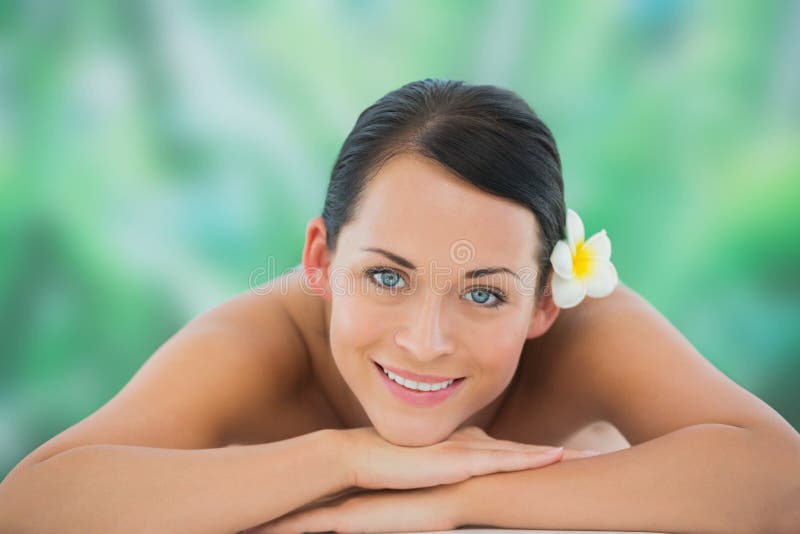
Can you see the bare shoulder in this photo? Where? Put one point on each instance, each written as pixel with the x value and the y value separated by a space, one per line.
pixel 226 376
pixel 554 376
pixel 263 352
pixel 618 359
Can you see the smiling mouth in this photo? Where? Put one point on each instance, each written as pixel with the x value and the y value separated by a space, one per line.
pixel 416 385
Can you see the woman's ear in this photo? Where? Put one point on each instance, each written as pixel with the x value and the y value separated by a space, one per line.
pixel 316 259
pixel 545 312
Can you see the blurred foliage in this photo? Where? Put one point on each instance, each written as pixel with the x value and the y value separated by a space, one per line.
pixel 153 155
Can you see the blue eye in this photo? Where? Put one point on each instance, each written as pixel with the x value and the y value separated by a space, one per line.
pixel 482 296
pixel 386 278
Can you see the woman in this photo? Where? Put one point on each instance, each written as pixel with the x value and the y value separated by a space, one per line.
pixel 429 356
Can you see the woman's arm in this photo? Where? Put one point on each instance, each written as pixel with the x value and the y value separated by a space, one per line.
pixel 707 478
pixel 703 478
pixel 154 458
pixel 120 488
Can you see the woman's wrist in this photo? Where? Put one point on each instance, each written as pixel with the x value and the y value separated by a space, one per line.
pixel 459 503
pixel 337 448
pixel 353 448
pixel 333 447
pixel 453 503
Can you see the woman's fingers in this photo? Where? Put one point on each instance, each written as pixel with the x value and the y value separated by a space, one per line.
pixel 485 461
pixel 572 454
pixel 475 437
pixel 569 454
pixel 504 444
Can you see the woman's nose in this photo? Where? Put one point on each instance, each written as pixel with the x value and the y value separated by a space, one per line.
pixel 426 335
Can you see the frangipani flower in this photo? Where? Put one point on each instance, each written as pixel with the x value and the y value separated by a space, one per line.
pixel 581 267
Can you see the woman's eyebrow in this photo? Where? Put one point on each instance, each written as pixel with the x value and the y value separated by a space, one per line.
pixel 392 256
pixel 475 273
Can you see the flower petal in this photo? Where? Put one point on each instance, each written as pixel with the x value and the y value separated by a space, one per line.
pixel 567 292
pixel 561 258
pixel 575 233
pixel 603 279
pixel 599 245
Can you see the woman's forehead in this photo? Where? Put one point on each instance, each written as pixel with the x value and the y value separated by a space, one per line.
pixel 418 206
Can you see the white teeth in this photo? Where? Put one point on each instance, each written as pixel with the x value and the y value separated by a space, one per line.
pixel 417 386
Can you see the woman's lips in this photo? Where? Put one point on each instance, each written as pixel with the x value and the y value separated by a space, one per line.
pixel 431 379
pixel 418 398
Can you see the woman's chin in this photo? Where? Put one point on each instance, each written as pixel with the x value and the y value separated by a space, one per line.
pixel 408 436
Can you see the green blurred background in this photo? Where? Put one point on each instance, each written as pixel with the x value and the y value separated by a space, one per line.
pixel 153 155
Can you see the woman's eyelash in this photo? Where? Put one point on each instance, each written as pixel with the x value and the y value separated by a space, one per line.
pixel 500 296
pixel 370 272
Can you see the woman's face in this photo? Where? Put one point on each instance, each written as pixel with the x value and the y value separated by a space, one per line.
pixel 402 297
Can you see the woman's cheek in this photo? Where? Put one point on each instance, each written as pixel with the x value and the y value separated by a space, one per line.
pixel 357 323
pixel 499 350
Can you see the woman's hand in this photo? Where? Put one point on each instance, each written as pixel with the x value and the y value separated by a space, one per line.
pixel 380 468
pixel 413 510
pixel 377 464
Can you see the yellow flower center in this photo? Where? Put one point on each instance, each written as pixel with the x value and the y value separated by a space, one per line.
pixel 581 261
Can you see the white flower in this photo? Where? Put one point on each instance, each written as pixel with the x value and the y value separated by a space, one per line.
pixel 581 267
